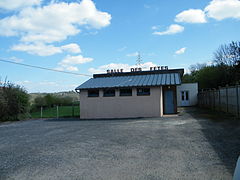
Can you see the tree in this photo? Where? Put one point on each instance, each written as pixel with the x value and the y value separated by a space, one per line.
pixel 224 71
pixel 40 102
pixel 50 100
pixel 188 78
pixel 228 54
pixel 213 76
pixel 14 102
pixel 196 67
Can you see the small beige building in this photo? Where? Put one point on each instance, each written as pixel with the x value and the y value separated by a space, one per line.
pixel 118 94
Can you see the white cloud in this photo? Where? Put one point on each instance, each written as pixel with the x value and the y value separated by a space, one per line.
pixel 23 82
pixel 71 68
pixel 75 60
pixel 64 67
pixel 216 9
pixel 154 27
pixel 222 9
pixel 172 29
pixel 180 51
pixel 17 4
pixel 73 48
pixel 42 49
pixel 53 22
pixel 125 67
pixel 69 62
pixel 38 49
pixel 191 16
pixel 48 83
pixel 132 54
pixel 46 86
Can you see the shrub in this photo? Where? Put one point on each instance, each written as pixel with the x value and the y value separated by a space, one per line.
pixel 14 102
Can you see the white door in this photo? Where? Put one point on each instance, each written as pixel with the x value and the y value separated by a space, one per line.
pixel 184 98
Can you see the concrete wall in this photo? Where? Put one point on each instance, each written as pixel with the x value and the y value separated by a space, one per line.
pixel 225 99
pixel 121 106
pixel 192 88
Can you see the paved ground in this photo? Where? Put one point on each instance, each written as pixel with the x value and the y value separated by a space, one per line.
pixel 188 146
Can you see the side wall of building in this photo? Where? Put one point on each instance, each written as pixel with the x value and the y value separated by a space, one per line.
pixel 192 89
pixel 121 106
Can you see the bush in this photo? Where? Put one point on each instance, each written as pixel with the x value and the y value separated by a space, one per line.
pixel 14 102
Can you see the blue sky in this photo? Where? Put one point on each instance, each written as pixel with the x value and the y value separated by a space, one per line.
pixel 93 36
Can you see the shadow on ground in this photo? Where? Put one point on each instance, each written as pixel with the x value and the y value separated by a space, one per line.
pixel 223 133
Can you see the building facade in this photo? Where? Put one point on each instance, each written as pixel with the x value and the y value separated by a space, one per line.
pixel 187 94
pixel 118 94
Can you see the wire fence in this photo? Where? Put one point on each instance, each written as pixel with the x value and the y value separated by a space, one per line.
pixel 225 99
pixel 56 111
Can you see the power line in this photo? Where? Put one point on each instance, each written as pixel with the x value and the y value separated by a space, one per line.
pixel 44 68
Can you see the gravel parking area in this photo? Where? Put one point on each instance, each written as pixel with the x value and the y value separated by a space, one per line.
pixel 186 146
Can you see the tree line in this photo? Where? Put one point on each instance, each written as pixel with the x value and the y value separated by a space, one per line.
pixel 224 69
pixel 50 100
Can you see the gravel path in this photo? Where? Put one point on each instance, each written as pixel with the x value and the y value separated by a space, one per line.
pixel 187 146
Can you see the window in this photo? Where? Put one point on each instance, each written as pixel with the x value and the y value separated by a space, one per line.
pixel 143 91
pixel 183 95
pixel 125 92
pixel 93 93
pixel 109 92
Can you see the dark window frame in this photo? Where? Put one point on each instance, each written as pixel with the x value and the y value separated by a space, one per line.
pixel 125 93
pixel 143 93
pixel 187 95
pixel 92 94
pixel 108 93
pixel 182 96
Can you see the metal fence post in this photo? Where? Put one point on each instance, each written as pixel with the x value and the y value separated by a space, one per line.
pixel 219 98
pixel 213 99
pixel 205 96
pixel 237 100
pixel 41 111
pixel 57 111
pixel 72 110
pixel 227 96
pixel 208 99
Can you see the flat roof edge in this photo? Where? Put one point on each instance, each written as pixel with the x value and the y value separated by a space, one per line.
pixel 128 86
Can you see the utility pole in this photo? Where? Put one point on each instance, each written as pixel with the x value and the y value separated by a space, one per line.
pixel 139 60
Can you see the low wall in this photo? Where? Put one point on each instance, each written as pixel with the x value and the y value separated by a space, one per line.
pixel 225 99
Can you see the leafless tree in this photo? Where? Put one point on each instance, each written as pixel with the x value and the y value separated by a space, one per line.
pixel 197 67
pixel 228 54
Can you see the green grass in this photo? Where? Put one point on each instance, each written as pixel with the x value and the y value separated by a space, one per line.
pixel 63 111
